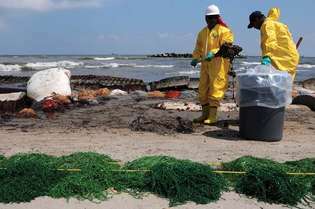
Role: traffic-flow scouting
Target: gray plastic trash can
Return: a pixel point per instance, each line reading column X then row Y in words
column 262, row 123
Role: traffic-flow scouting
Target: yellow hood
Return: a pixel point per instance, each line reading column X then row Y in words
column 274, row 14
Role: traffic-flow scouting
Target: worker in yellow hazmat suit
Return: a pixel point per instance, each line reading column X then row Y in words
column 278, row 47
column 214, row 70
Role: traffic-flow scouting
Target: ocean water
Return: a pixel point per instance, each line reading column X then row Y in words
column 141, row 67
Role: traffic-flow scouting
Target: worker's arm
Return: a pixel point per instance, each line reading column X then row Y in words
column 199, row 48
column 227, row 37
column 268, row 40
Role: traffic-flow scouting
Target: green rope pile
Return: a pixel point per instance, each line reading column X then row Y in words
column 179, row 180
column 27, row 177
column 305, row 165
column 92, row 182
column 268, row 180
column 1, row 158
column 93, row 176
column 273, row 185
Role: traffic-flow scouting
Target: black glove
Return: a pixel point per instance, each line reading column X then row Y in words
column 232, row 73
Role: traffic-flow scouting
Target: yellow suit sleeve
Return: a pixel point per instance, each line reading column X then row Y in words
column 198, row 52
column 268, row 38
column 226, row 37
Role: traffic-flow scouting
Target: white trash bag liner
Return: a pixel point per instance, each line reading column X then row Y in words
column 264, row 86
column 44, row 83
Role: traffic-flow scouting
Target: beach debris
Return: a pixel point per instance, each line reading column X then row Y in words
column 10, row 79
column 309, row 84
column 157, row 94
column 172, row 94
column 138, row 95
column 303, row 96
column 27, row 113
column 228, row 107
column 189, row 94
column 12, row 88
column 118, row 92
column 162, row 125
column 95, row 82
column 103, row 92
column 193, row 83
column 86, row 96
column 87, row 81
column 297, row 91
column 90, row 96
column 307, row 100
column 193, row 107
column 45, row 83
column 298, row 107
column 12, row 102
column 61, row 100
column 12, row 96
column 172, row 83
column 179, row 106
column 49, row 105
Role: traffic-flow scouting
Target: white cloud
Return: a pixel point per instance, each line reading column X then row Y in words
column 45, row 5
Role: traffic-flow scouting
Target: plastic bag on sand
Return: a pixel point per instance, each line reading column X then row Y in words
column 47, row 82
column 264, row 86
column 118, row 92
column 180, row 106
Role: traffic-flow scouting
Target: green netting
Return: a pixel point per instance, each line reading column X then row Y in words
column 136, row 180
column 247, row 163
column 2, row 158
column 27, row 177
column 272, row 184
column 92, row 182
column 92, row 176
column 148, row 162
column 305, row 165
column 179, row 180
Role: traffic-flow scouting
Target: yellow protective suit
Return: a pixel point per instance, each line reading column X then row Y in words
column 277, row 43
column 214, row 74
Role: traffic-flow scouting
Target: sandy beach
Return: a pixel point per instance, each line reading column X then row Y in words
column 103, row 129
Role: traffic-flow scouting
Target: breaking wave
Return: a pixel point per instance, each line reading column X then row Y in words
column 192, row 72
column 48, row 65
column 103, row 58
column 308, row 66
column 155, row 66
column 116, row 65
column 10, row 68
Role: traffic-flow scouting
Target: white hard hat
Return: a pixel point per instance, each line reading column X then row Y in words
column 212, row 10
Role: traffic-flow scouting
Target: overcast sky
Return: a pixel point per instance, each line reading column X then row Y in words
column 136, row 26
